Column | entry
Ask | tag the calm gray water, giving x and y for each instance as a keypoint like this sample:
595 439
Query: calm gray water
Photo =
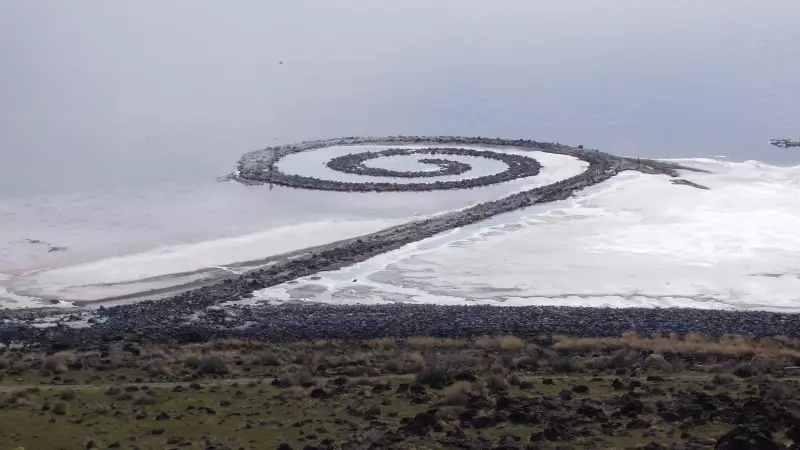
98 94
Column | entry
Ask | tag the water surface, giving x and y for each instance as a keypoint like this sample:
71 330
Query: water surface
116 118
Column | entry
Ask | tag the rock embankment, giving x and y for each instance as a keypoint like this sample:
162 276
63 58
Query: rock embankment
171 321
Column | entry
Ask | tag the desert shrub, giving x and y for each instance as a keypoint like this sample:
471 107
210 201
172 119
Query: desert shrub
144 399
421 342
17 398
158 367
677 365
485 342
333 361
304 359
502 342
509 362
766 363
435 375
371 436
55 364
212 365
294 376
114 390
356 371
68 394
383 343
60 408
527 362
599 363
513 379
292 393
723 378
780 392
510 343
192 361
267 358
405 363
657 361
621 358
496 383
457 394
497 368
566 365
745 370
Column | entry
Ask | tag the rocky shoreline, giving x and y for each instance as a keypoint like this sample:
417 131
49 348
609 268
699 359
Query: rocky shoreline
785 143
196 315
172 322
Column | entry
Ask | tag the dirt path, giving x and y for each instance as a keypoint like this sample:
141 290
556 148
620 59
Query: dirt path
164 385
230 381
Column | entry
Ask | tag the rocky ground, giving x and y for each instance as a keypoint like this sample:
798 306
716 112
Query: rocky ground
552 392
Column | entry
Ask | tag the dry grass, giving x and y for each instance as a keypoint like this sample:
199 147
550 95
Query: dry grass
690 344
427 343
502 342
383 344
421 342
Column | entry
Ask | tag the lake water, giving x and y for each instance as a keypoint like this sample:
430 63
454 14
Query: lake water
116 118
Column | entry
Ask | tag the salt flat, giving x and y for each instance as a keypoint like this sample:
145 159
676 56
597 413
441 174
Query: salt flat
635 240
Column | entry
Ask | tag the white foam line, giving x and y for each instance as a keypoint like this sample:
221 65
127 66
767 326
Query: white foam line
118 276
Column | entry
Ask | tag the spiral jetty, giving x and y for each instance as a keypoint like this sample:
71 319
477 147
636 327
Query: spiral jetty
194 315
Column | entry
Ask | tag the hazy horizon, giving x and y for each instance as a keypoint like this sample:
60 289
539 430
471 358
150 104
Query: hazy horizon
102 94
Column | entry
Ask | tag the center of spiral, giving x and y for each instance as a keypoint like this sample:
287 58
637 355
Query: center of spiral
264 165
354 163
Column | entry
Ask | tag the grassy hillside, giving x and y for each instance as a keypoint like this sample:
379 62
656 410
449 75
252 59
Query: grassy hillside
490 392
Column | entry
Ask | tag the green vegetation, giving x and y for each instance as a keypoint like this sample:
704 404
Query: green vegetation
422 392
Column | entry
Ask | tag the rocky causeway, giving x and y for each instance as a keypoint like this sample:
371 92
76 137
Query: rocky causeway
197 314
